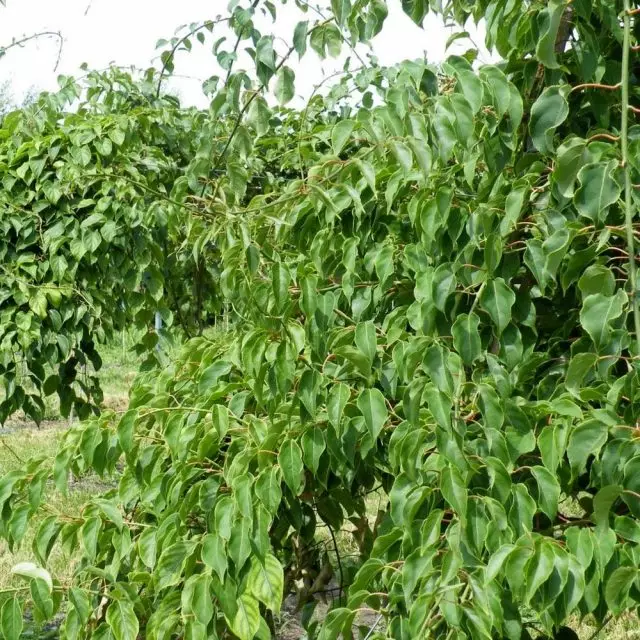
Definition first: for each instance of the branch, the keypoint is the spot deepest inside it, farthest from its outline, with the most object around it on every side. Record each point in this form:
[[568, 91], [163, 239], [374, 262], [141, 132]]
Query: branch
[[248, 103], [209, 24], [254, 4], [40, 34], [597, 85]]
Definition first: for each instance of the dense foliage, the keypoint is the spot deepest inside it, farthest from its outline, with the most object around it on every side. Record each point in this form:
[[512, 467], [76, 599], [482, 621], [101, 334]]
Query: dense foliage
[[86, 240], [436, 303]]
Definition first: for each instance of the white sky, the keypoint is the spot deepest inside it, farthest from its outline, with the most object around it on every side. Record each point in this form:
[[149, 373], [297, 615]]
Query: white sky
[[124, 32]]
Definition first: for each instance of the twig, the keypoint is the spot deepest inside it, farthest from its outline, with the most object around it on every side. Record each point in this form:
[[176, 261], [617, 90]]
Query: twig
[[11, 449], [628, 201], [596, 633], [338, 560], [373, 628], [40, 34], [209, 24], [254, 4], [597, 85]]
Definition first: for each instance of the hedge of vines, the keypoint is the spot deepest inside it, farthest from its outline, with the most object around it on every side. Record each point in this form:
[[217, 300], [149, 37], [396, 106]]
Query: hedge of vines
[[438, 305]]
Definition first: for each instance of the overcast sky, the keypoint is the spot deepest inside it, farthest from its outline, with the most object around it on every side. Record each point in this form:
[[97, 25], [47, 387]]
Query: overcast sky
[[124, 32]]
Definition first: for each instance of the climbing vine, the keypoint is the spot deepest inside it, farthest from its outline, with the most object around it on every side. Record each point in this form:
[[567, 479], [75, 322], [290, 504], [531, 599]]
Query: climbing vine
[[437, 304]]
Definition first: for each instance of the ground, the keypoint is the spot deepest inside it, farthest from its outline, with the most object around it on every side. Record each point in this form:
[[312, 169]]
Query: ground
[[20, 439]]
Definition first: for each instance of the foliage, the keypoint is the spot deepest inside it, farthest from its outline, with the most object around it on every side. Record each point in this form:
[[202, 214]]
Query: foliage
[[86, 236], [435, 303]]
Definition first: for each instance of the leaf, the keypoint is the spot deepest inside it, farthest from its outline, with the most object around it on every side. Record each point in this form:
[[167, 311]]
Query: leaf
[[539, 569], [11, 619], [285, 85], [341, 10], [598, 312], [549, 20], [122, 620], [416, 10], [41, 596], [365, 338], [571, 157], [300, 37], [497, 299], [454, 490], [617, 589], [30, 571], [214, 553], [603, 502], [265, 53], [628, 528], [313, 446], [372, 406], [290, 461], [169, 569], [579, 366], [466, 337], [403, 154], [598, 190], [585, 440], [336, 402], [340, 134], [266, 581], [549, 111], [548, 491], [197, 598], [246, 621]]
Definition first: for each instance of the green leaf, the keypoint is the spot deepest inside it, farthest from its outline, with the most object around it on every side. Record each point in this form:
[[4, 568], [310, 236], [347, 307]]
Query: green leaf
[[586, 439], [548, 491], [454, 490], [11, 619], [265, 53], [497, 299], [549, 111], [549, 20], [598, 190], [122, 620], [246, 621], [539, 569], [579, 366], [266, 581], [416, 10], [598, 313], [341, 10], [285, 85], [300, 37], [313, 446], [628, 528], [340, 134], [197, 598], [603, 502], [214, 553], [336, 402], [616, 592], [41, 596], [290, 461], [403, 154], [170, 564], [466, 337], [30, 571], [372, 406], [571, 157], [365, 338]]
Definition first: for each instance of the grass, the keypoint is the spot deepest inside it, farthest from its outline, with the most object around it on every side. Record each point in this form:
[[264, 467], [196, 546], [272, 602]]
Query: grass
[[22, 439]]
